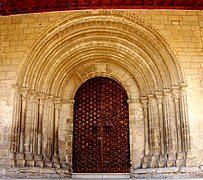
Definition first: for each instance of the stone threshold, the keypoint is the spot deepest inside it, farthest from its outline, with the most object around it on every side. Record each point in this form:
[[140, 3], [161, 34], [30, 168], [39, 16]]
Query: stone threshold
[[100, 175]]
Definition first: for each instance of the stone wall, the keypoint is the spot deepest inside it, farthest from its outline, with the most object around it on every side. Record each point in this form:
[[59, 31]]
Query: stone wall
[[183, 30]]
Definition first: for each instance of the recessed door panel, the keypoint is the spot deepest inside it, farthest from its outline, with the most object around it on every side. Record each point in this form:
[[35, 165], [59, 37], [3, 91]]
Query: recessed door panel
[[101, 128]]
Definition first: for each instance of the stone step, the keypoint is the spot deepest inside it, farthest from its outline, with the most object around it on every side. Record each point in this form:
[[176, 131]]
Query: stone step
[[111, 176]]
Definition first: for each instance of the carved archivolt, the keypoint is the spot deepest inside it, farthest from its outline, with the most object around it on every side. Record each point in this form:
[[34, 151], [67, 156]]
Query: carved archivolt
[[86, 44]]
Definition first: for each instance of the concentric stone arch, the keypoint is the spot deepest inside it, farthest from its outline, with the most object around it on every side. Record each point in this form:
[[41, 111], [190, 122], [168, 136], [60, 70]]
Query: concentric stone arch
[[121, 31], [93, 43]]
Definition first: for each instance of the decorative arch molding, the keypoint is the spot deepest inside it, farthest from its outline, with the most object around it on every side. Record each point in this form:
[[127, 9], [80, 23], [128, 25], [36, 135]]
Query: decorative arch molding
[[94, 43], [120, 29]]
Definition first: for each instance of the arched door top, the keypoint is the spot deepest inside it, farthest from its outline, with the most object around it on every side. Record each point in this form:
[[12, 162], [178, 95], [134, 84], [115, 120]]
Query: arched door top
[[85, 37]]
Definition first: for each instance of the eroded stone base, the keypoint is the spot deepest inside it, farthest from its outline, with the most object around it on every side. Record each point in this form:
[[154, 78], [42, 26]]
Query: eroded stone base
[[33, 173], [168, 172], [52, 173]]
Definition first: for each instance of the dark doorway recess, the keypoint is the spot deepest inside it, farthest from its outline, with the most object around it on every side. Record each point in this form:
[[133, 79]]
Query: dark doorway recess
[[101, 128]]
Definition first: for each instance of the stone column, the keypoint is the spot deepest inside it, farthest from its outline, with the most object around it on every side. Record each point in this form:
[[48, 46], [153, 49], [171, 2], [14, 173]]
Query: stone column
[[167, 121], [162, 159], [24, 96], [30, 135], [38, 157], [176, 96], [20, 158], [173, 122], [144, 102], [50, 150], [57, 107], [159, 97], [150, 124], [154, 131], [171, 132], [34, 115], [180, 154], [49, 139]]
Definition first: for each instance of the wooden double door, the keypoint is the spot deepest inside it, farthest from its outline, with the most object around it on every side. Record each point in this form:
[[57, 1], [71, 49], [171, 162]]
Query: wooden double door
[[101, 128]]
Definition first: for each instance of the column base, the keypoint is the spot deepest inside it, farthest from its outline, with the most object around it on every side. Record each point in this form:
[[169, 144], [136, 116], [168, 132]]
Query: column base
[[56, 165], [39, 164], [47, 161], [20, 160]]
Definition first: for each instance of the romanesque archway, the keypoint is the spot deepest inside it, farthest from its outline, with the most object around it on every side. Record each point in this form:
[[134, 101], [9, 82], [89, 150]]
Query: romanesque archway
[[100, 43]]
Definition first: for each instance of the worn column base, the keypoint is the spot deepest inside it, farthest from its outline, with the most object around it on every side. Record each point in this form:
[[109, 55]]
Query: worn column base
[[56, 161], [167, 160], [47, 161], [38, 161], [20, 160]]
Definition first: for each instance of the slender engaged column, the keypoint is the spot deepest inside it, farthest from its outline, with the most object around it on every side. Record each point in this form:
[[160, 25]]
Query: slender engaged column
[[24, 97], [40, 123], [176, 96], [173, 123], [171, 130], [167, 121], [150, 124], [35, 124], [50, 133], [159, 97], [144, 102], [56, 124]]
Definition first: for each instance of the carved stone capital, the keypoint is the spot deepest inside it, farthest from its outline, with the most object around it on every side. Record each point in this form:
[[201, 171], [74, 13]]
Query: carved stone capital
[[176, 92], [33, 95], [144, 102], [159, 97], [57, 100], [41, 95], [24, 93], [50, 98], [150, 99], [58, 103], [168, 95], [67, 101], [183, 85], [133, 101], [166, 92]]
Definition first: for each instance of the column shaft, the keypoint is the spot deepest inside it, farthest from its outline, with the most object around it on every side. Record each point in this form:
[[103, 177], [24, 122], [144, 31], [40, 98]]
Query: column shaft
[[161, 122], [146, 125]]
